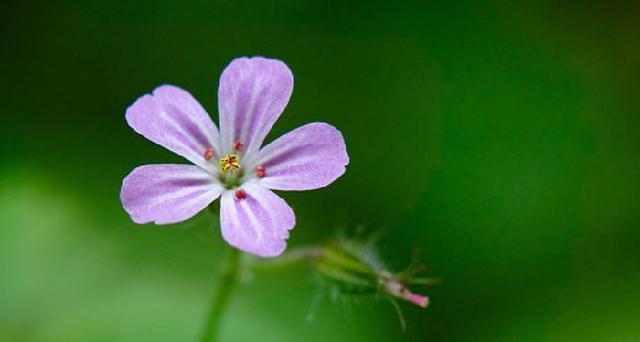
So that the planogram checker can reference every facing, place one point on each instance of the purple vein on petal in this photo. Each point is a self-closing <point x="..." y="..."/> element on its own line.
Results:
<point x="260" y="101"/>
<point x="294" y="151"/>
<point x="242" y="107"/>
<point x="179" y="132"/>
<point x="192" y="130"/>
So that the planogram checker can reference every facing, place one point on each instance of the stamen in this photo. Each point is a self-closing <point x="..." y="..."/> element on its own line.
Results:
<point x="261" y="172"/>
<point x="209" y="153"/>
<point x="238" y="146"/>
<point x="240" y="194"/>
<point x="230" y="163"/>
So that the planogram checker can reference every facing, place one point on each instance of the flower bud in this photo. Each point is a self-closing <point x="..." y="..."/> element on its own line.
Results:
<point x="349" y="272"/>
<point x="353" y="269"/>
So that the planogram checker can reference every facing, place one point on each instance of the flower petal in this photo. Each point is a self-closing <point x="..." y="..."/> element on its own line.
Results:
<point x="167" y="193"/>
<point x="259" y="223"/>
<point x="310" y="157"/>
<point x="171" y="117"/>
<point x="252" y="94"/>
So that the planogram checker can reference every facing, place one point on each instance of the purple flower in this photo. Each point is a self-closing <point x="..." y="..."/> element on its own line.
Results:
<point x="231" y="163"/>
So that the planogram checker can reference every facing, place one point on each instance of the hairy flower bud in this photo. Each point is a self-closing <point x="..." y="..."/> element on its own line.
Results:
<point x="353" y="269"/>
<point x="346" y="270"/>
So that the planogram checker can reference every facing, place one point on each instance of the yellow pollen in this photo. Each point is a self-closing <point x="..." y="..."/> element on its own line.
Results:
<point x="230" y="163"/>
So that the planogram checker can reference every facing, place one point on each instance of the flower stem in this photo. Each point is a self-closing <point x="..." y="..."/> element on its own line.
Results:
<point x="289" y="258"/>
<point x="221" y="295"/>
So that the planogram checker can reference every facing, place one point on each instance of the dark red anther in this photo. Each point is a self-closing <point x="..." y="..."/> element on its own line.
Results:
<point x="261" y="172"/>
<point x="209" y="153"/>
<point x="238" y="146"/>
<point x="240" y="194"/>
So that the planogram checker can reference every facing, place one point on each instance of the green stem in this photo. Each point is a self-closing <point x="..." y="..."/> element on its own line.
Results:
<point x="221" y="296"/>
<point x="290" y="258"/>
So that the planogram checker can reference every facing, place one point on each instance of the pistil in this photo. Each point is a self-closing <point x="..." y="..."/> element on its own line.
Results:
<point x="230" y="162"/>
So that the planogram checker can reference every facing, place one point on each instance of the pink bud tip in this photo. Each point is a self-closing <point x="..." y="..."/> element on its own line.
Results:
<point x="398" y="290"/>
<point x="421" y="301"/>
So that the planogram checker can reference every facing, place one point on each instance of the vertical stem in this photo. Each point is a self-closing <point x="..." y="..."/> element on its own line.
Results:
<point x="221" y="296"/>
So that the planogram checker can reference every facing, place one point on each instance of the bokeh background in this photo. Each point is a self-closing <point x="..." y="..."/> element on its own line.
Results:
<point x="499" y="139"/>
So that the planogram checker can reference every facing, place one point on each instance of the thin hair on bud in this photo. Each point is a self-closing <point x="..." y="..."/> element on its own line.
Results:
<point x="398" y="309"/>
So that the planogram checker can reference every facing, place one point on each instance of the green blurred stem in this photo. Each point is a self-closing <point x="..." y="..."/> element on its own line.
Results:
<point x="221" y="295"/>
<point x="290" y="258"/>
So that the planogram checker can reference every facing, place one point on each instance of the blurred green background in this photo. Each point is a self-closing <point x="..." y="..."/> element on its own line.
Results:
<point x="500" y="139"/>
